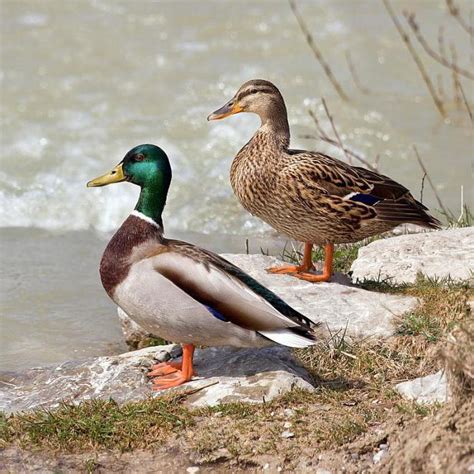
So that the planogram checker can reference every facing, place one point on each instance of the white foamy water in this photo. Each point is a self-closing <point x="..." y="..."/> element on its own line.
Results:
<point x="84" y="81"/>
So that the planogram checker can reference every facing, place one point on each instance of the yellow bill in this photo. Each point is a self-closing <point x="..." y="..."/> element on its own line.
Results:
<point x="114" y="176"/>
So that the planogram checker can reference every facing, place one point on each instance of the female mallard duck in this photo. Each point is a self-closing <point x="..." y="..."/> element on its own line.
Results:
<point x="179" y="291"/>
<point x="307" y="195"/>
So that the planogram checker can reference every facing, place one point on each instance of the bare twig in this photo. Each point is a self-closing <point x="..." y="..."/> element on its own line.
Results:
<point x="455" y="13"/>
<point x="456" y="86"/>
<point x="440" y="58"/>
<point x="422" y="187"/>
<point x="441" y="93"/>
<point x="187" y="393"/>
<point x="405" y="38"/>
<point x="336" y="134"/>
<point x="322" y="135"/>
<point x="377" y="161"/>
<point x="422" y="165"/>
<point x="355" y="76"/>
<point x="441" y="48"/>
<point x="461" y="215"/>
<point x="317" y="52"/>
<point x="466" y="103"/>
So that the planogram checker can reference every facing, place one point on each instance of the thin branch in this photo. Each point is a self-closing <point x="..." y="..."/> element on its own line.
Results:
<point x="440" y="58"/>
<point x="466" y="103"/>
<point x="441" y="94"/>
<point x="455" y="13"/>
<point x="456" y="86"/>
<point x="416" y="58"/>
<point x="355" y="76"/>
<point x="422" y="165"/>
<point x="377" y="161"/>
<point x="441" y="47"/>
<point x="336" y="134"/>
<point x="422" y="187"/>
<point x="322" y="135"/>
<point x="317" y="52"/>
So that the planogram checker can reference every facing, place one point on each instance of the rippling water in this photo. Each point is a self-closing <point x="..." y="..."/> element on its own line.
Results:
<point x="84" y="81"/>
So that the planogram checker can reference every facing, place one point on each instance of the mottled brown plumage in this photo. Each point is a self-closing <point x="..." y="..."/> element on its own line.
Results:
<point x="307" y="195"/>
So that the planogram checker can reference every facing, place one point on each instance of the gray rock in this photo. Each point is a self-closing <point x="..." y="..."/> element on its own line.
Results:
<point x="440" y="254"/>
<point x="430" y="389"/>
<point x="225" y="375"/>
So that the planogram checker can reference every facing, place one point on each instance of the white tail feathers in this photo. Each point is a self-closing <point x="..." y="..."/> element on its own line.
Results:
<point x="286" y="337"/>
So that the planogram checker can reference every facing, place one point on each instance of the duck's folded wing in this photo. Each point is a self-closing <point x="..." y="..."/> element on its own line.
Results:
<point x="340" y="179"/>
<point x="219" y="286"/>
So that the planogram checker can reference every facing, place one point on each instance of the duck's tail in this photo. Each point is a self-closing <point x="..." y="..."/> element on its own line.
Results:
<point x="297" y="337"/>
<point x="406" y="210"/>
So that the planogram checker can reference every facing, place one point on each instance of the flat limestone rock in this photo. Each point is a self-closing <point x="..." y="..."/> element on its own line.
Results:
<point x="440" y="254"/>
<point x="425" y="390"/>
<point x="337" y="304"/>
<point x="224" y="375"/>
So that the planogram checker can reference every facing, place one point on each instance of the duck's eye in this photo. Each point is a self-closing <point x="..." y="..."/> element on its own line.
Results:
<point x="139" y="157"/>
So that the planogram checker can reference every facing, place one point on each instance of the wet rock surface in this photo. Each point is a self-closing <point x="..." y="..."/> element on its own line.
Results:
<point x="441" y="254"/>
<point x="223" y="375"/>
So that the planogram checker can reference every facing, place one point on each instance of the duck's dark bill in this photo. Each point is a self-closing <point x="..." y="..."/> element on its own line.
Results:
<point x="114" y="176"/>
<point x="230" y="108"/>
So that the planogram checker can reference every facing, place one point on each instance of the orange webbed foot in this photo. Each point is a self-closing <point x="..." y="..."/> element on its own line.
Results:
<point x="286" y="269"/>
<point x="173" y="374"/>
<point x="311" y="277"/>
<point x="306" y="264"/>
<point x="164" y="368"/>
<point x="173" y="380"/>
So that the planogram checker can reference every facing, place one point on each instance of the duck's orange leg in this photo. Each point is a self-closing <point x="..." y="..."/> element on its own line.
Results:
<point x="306" y="264"/>
<point x="327" y="269"/>
<point x="176" y="376"/>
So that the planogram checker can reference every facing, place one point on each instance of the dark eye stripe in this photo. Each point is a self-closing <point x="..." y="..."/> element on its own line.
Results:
<point x="264" y="90"/>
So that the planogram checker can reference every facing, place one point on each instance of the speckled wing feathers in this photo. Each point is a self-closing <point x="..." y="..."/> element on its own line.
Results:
<point x="335" y="181"/>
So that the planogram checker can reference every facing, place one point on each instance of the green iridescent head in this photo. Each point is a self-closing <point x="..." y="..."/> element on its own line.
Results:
<point x="148" y="167"/>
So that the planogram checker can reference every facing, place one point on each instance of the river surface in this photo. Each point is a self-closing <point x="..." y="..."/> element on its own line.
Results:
<point x="83" y="81"/>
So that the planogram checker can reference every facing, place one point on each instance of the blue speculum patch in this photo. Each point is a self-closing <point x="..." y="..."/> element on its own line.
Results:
<point x="365" y="199"/>
<point x="216" y="314"/>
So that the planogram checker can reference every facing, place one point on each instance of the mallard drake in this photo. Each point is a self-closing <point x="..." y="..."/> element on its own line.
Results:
<point x="179" y="291"/>
<point x="306" y="195"/>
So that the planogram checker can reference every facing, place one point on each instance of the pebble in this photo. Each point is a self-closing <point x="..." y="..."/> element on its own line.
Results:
<point x="287" y="425"/>
<point x="378" y="456"/>
<point x="290" y="412"/>
<point x="192" y="469"/>
<point x="287" y="434"/>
